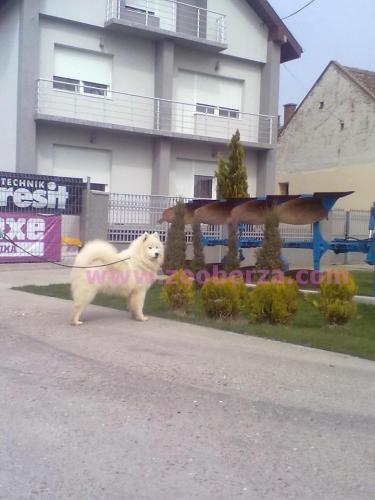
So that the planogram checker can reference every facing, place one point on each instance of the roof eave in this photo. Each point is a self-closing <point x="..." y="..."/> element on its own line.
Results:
<point x="278" y="32"/>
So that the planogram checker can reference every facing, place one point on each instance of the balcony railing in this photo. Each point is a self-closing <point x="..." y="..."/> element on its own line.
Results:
<point x="149" y="114"/>
<point x="170" y="15"/>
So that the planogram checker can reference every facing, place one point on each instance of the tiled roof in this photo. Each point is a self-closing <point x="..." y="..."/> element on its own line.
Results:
<point x="364" y="77"/>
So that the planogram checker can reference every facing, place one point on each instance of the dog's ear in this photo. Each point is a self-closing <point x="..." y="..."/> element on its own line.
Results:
<point x="157" y="236"/>
<point x="145" y="236"/>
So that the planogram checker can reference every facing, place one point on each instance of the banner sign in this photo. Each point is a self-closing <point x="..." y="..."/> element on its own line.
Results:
<point x="38" y="234"/>
<point x="42" y="193"/>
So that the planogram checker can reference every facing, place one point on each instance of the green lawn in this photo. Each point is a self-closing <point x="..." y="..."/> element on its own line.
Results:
<point x="365" y="281"/>
<point x="307" y="328"/>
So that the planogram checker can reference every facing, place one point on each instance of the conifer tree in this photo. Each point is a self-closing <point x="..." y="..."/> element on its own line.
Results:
<point x="232" y="183"/>
<point x="198" y="262"/>
<point x="269" y="254"/>
<point x="231" y="175"/>
<point x="222" y="177"/>
<point x="175" y="249"/>
<point x="232" y="261"/>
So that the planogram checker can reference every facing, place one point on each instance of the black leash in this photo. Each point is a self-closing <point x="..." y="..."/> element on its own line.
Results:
<point x="6" y="238"/>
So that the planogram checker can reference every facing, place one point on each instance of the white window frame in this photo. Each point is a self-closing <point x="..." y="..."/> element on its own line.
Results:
<point x="132" y="6"/>
<point x="217" y="111"/>
<point x="229" y="113"/>
<point x="205" y="109"/>
<point x="211" y="177"/>
<point x="78" y="87"/>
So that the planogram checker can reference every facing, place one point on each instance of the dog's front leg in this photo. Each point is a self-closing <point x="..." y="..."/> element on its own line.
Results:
<point x="135" y="304"/>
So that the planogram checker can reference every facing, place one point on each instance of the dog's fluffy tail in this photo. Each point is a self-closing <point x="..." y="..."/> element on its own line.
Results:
<point x="96" y="252"/>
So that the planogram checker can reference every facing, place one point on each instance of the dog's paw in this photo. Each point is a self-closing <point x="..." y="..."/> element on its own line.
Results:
<point x="142" y="318"/>
<point x="77" y="323"/>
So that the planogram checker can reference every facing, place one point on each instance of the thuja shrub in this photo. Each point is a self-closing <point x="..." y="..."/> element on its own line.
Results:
<point x="198" y="262"/>
<point x="178" y="291"/>
<point x="336" y="298"/>
<point x="175" y="248"/>
<point x="269" y="254"/>
<point x="274" y="302"/>
<point x="222" y="298"/>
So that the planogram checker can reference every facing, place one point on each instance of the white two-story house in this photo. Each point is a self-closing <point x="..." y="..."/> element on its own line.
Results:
<point x="140" y="95"/>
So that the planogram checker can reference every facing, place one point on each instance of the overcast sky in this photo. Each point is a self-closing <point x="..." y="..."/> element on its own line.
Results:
<point x="342" y="30"/>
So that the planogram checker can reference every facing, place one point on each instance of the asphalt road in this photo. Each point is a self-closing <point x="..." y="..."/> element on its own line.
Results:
<point x="122" y="410"/>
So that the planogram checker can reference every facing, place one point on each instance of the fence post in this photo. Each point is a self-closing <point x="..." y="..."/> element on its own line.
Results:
<point x="347" y="234"/>
<point x="94" y="216"/>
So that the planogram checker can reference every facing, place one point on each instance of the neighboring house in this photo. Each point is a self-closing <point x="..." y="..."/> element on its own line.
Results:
<point x="140" y="95"/>
<point x="328" y="144"/>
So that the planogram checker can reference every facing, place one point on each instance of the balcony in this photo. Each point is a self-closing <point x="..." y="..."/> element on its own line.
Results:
<point x="149" y="115"/>
<point x="187" y="24"/>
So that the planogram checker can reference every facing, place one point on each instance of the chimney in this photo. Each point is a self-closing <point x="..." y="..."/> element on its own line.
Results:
<point x="289" y="110"/>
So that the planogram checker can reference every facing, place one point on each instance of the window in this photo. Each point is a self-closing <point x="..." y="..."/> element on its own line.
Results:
<point x="67" y="84"/>
<point x="80" y="87"/>
<point x="95" y="88"/>
<point x="284" y="188"/>
<point x="205" y="108"/>
<point x="202" y="186"/>
<point x="321" y="105"/>
<point x="229" y="113"/>
<point x="138" y="6"/>
<point x="213" y="95"/>
<point x="342" y="125"/>
<point x="82" y="71"/>
<point x="218" y="111"/>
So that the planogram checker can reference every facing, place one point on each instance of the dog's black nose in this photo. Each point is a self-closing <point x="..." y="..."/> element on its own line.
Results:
<point x="156" y="255"/>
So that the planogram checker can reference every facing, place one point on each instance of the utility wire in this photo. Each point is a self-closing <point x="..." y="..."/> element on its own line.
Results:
<point x="299" y="10"/>
<point x="302" y="85"/>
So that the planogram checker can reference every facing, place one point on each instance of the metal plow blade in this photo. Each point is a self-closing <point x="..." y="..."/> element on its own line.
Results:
<point x="290" y="209"/>
<point x="251" y="212"/>
<point x="216" y="213"/>
<point x="301" y="211"/>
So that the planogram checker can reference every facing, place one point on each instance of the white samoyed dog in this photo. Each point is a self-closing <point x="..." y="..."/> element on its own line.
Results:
<point x="130" y="273"/>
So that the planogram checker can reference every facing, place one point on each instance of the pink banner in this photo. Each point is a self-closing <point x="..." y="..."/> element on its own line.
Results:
<point x="35" y="234"/>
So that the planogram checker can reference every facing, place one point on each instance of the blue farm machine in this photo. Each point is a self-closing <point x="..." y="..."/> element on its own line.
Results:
<point x="290" y="209"/>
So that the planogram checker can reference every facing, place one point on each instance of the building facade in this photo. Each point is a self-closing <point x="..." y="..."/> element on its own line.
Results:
<point x="141" y="95"/>
<point x="328" y="143"/>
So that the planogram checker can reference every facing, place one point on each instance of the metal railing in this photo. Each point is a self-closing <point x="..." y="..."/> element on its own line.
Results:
<point x="170" y="15"/>
<point x="151" y="113"/>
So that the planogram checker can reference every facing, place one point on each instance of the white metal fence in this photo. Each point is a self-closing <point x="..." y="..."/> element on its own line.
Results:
<point x="338" y="220"/>
<point x="358" y="223"/>
<point x="78" y="102"/>
<point x="131" y="215"/>
<point x="170" y="15"/>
